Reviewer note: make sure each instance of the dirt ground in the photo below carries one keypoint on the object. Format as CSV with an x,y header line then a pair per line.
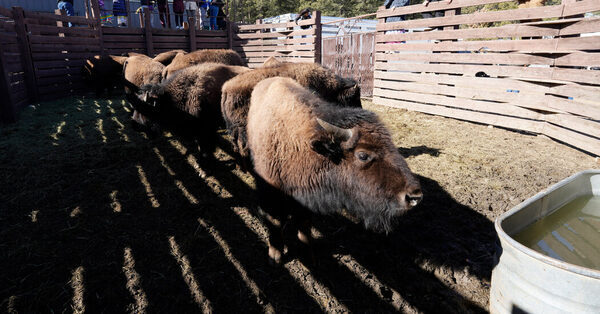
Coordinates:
x,y
97,217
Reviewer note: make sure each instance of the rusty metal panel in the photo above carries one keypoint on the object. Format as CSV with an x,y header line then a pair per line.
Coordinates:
x,y
352,56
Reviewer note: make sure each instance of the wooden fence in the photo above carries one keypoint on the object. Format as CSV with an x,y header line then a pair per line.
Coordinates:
x,y
286,41
534,69
352,56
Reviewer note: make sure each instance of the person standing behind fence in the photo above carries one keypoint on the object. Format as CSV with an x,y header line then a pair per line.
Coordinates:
x,y
204,10
67,6
427,15
178,9
150,5
390,4
120,11
163,11
214,12
191,9
303,15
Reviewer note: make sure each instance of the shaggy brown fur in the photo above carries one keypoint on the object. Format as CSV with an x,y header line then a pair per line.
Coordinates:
x,y
140,70
222,56
349,161
103,72
167,57
189,100
236,94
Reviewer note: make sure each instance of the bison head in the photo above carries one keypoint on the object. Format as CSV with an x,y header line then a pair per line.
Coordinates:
x,y
349,95
367,175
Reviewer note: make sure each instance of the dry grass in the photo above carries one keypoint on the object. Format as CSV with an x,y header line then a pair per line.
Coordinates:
x,y
96,216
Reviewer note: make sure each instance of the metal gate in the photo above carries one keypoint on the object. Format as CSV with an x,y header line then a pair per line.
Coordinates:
x,y
352,55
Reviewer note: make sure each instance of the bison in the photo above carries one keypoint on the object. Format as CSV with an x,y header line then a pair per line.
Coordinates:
x,y
236,94
103,72
189,101
223,56
311,156
140,70
167,57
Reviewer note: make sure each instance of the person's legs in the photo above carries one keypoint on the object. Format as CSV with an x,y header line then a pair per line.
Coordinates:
x,y
205,23
163,18
214,10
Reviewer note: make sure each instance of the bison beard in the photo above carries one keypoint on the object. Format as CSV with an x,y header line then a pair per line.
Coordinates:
x,y
311,156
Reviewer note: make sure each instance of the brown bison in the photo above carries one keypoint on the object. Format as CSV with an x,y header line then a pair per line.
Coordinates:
x,y
236,94
272,61
223,56
167,57
189,101
309,155
103,72
140,70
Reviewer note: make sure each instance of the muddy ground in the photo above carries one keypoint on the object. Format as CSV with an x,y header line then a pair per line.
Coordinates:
x,y
97,217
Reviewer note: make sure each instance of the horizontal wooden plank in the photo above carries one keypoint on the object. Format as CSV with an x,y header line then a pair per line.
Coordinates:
x,y
478,58
579,59
421,95
123,45
14,67
571,106
267,42
587,25
585,126
557,45
7,25
121,31
278,54
306,32
308,47
173,46
512,30
8,38
203,45
17,77
482,17
123,38
58,64
205,33
310,21
54,56
38,39
80,31
64,47
578,140
586,94
433,6
59,72
35,18
560,74
467,115
581,7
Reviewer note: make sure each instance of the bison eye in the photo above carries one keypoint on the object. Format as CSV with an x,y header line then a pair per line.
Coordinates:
x,y
362,156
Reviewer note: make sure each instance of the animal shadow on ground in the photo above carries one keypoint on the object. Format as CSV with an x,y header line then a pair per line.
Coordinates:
x,y
97,217
418,150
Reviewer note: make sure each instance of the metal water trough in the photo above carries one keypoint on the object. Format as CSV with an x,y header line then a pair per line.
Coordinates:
x,y
525,281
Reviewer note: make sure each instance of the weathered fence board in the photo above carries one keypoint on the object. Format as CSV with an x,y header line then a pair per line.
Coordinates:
x,y
540,76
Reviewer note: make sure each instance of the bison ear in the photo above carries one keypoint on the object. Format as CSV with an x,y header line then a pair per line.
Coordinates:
x,y
325,147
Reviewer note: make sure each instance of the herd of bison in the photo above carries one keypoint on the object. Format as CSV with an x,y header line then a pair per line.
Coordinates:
x,y
298,128
213,187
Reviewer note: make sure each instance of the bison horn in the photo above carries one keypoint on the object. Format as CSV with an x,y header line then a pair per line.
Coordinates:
x,y
337,132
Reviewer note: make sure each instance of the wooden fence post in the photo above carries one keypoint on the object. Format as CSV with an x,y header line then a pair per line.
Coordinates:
x,y
25,49
148,29
192,32
7,109
229,34
97,16
318,35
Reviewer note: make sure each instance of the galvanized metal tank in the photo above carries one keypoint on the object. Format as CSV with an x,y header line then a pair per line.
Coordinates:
x,y
527,281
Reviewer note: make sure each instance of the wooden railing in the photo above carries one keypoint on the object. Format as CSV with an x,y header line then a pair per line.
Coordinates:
x,y
534,69
286,41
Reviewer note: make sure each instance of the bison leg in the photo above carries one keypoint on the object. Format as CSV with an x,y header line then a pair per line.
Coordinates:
x,y
304,234
273,216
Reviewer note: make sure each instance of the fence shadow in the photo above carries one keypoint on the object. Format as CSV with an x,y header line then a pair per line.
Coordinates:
x,y
98,217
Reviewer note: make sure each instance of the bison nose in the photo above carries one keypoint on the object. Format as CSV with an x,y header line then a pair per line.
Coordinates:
x,y
413,196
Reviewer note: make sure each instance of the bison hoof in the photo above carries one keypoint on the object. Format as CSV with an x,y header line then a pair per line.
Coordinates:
x,y
274,255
